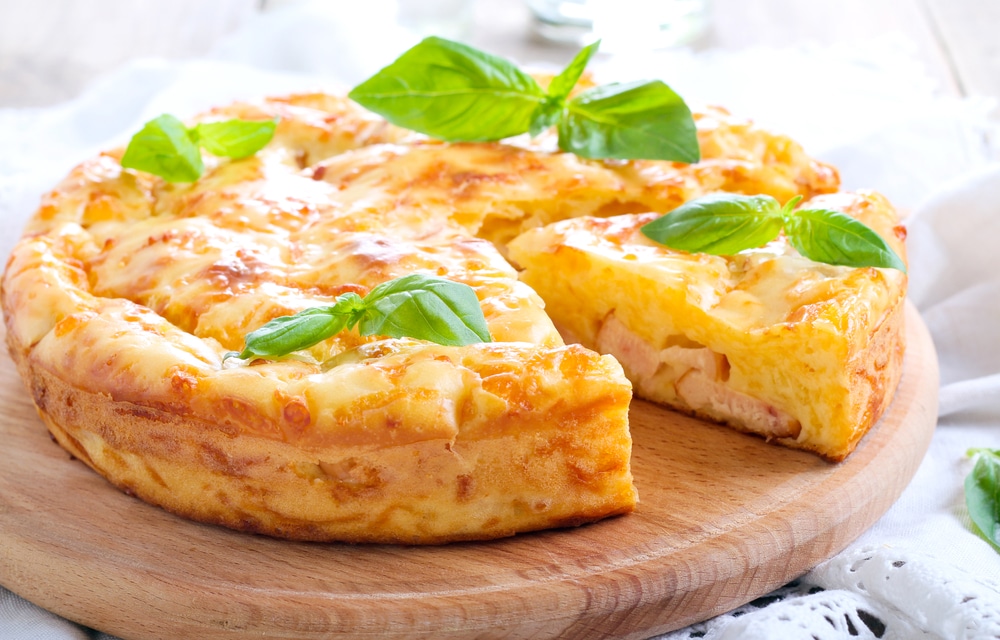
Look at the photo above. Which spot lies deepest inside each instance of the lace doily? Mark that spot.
(866, 593)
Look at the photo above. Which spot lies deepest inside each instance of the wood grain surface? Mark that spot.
(723, 519)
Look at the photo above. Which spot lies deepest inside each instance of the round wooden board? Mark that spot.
(723, 519)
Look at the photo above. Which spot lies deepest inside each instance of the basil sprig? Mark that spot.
(724, 224)
(457, 93)
(167, 148)
(982, 493)
(413, 306)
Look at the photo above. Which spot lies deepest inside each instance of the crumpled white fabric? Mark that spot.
(921, 571)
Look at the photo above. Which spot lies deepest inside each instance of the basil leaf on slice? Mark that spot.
(631, 121)
(720, 224)
(453, 92)
(833, 237)
(286, 334)
(982, 494)
(164, 147)
(724, 224)
(426, 308)
(234, 138)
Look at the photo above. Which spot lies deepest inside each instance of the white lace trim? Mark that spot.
(867, 593)
(936, 597)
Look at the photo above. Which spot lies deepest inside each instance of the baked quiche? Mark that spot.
(128, 292)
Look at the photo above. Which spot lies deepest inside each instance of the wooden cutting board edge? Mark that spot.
(634, 597)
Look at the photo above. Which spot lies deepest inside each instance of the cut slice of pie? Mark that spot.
(803, 353)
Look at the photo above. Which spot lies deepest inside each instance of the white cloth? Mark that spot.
(920, 572)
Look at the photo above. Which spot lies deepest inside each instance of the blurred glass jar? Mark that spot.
(622, 25)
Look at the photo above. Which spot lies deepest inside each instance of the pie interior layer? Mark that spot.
(766, 341)
(126, 291)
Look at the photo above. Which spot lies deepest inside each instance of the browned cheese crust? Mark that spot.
(126, 292)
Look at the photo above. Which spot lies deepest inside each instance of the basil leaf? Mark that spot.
(234, 138)
(460, 94)
(833, 237)
(164, 147)
(286, 334)
(426, 308)
(724, 224)
(562, 85)
(636, 120)
(453, 92)
(414, 306)
(547, 113)
(720, 224)
(982, 494)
